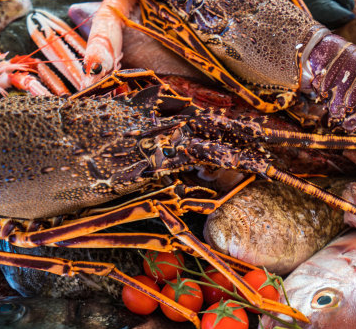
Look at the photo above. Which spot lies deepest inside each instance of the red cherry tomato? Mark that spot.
(162, 271)
(194, 302)
(256, 279)
(136, 301)
(225, 321)
(213, 295)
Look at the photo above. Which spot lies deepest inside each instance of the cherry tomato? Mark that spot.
(136, 301)
(193, 300)
(162, 271)
(256, 279)
(213, 295)
(225, 321)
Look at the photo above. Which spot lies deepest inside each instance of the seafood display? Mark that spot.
(100, 149)
(265, 225)
(141, 147)
(323, 287)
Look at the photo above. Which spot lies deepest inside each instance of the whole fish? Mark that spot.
(273, 225)
(324, 287)
(13, 9)
(350, 195)
(60, 313)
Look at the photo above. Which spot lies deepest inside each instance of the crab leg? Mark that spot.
(54, 48)
(282, 101)
(70, 268)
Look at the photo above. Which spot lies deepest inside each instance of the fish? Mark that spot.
(13, 9)
(350, 195)
(274, 225)
(61, 313)
(324, 287)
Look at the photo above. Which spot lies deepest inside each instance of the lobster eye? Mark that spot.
(325, 298)
(169, 152)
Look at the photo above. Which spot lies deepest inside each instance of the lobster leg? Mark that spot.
(151, 241)
(215, 71)
(149, 208)
(129, 81)
(177, 227)
(70, 268)
(137, 209)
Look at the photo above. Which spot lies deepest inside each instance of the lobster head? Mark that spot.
(166, 149)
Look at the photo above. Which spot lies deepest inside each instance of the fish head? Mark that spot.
(323, 289)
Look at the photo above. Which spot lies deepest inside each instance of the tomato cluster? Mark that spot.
(222, 312)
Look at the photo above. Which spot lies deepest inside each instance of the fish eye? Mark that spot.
(169, 152)
(11, 312)
(324, 299)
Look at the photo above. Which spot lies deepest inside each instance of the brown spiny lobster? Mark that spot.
(62, 154)
(274, 46)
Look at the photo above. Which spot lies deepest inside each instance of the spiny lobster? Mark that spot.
(273, 46)
(62, 154)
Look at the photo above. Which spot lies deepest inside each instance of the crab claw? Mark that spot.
(49, 38)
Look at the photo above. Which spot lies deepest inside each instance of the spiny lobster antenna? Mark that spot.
(305, 140)
(309, 188)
